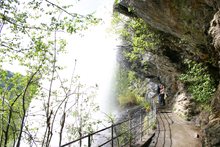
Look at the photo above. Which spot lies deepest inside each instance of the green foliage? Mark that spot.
(130, 99)
(29, 36)
(81, 114)
(12, 95)
(136, 33)
(146, 124)
(127, 100)
(154, 127)
(139, 99)
(140, 37)
(130, 9)
(126, 136)
(185, 117)
(117, 1)
(147, 106)
(128, 88)
(117, 23)
(8, 75)
(122, 81)
(110, 118)
(202, 85)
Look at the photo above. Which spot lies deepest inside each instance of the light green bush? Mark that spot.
(202, 85)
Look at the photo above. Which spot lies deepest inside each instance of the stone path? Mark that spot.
(173, 131)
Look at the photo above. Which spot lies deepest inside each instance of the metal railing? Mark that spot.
(151, 119)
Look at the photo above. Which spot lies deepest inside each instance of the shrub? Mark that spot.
(202, 85)
(154, 127)
(129, 99)
(139, 99)
(147, 106)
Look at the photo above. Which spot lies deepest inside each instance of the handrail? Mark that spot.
(153, 116)
(90, 134)
(140, 132)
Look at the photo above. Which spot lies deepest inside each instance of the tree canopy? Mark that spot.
(31, 35)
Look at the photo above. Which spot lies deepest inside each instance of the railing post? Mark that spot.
(155, 111)
(148, 122)
(130, 129)
(141, 126)
(89, 143)
(112, 135)
(151, 117)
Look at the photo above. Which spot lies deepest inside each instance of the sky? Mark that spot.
(88, 6)
(94, 52)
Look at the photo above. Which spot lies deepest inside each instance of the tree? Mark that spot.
(31, 34)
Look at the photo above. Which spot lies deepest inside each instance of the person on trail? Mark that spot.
(158, 92)
(162, 91)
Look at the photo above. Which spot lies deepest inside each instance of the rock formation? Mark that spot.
(197, 22)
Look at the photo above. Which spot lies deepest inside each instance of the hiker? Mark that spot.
(158, 92)
(162, 91)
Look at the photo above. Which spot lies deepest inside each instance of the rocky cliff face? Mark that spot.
(197, 22)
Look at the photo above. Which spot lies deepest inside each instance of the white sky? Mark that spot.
(88, 6)
(95, 54)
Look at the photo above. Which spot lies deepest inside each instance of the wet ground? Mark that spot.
(173, 131)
